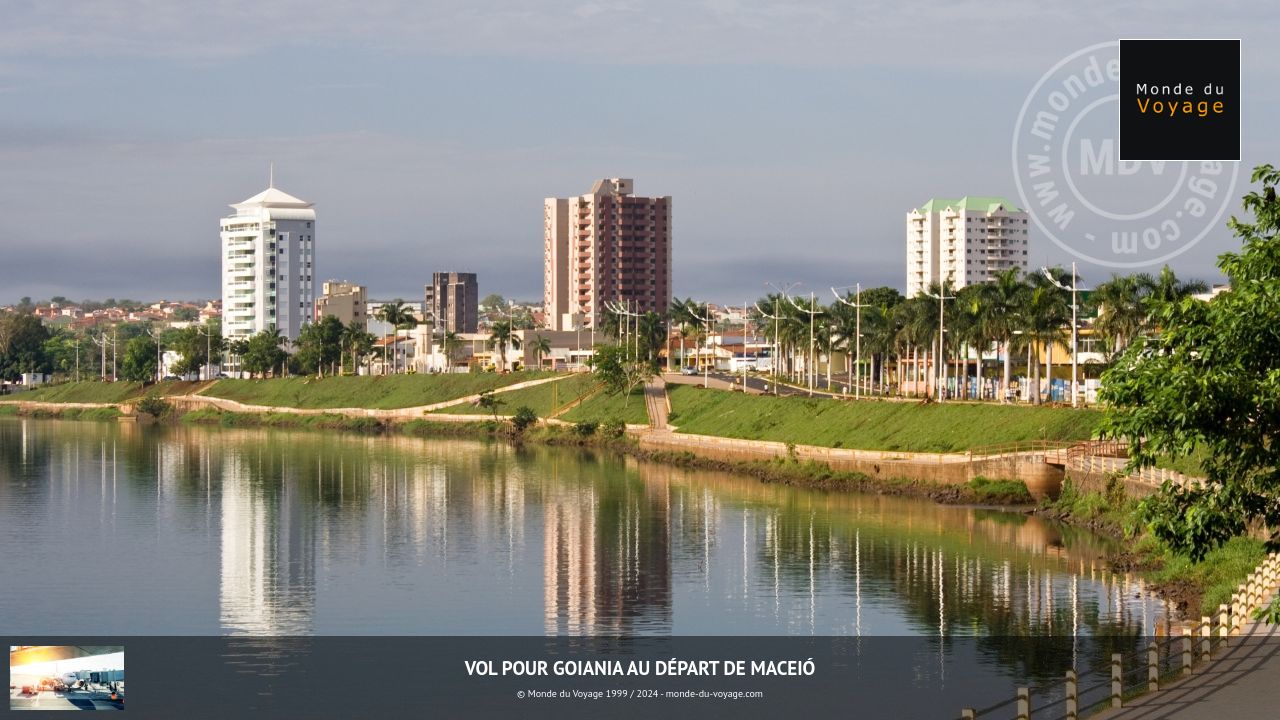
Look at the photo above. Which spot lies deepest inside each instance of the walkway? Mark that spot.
(1242, 682)
(655, 401)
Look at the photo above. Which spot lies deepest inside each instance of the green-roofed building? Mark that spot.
(963, 241)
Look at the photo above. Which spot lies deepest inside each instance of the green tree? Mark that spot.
(523, 418)
(541, 347)
(139, 360)
(358, 342)
(618, 372)
(262, 353)
(320, 345)
(1209, 381)
(486, 400)
(22, 346)
(501, 336)
(398, 316)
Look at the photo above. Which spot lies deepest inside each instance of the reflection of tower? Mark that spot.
(569, 566)
(607, 553)
(268, 553)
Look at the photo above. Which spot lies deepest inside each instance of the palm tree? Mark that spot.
(1167, 288)
(450, 346)
(357, 341)
(395, 314)
(541, 346)
(1002, 304)
(500, 337)
(1122, 315)
(1046, 308)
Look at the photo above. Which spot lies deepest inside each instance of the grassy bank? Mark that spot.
(1197, 588)
(93, 391)
(870, 424)
(545, 399)
(602, 406)
(378, 392)
(71, 413)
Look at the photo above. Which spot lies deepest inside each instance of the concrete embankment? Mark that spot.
(1041, 478)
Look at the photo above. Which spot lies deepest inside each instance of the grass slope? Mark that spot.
(380, 392)
(544, 398)
(869, 424)
(602, 406)
(91, 391)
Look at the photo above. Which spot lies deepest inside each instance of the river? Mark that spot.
(157, 530)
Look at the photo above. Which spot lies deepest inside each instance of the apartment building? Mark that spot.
(451, 302)
(268, 257)
(964, 241)
(344, 300)
(606, 246)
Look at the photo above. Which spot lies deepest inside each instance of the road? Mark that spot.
(69, 700)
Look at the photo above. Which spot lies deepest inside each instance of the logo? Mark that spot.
(1077, 190)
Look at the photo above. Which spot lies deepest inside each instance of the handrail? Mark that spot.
(1174, 656)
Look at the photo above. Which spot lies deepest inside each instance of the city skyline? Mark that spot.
(790, 161)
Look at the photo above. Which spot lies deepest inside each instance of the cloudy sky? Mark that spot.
(793, 136)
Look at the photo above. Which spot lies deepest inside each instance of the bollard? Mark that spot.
(1224, 622)
(1186, 651)
(1236, 613)
(1073, 696)
(1153, 667)
(1024, 703)
(968, 714)
(1205, 635)
(1116, 680)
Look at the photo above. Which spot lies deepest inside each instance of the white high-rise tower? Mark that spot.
(268, 254)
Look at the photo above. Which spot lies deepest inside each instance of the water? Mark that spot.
(121, 529)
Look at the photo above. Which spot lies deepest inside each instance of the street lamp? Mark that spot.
(706, 369)
(1075, 327)
(941, 373)
(813, 312)
(857, 305)
(777, 345)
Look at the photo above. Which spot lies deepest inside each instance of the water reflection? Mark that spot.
(252, 532)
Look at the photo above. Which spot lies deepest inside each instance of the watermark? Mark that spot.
(1071, 181)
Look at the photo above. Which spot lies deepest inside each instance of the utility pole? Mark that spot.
(857, 305)
(706, 369)
(941, 358)
(813, 312)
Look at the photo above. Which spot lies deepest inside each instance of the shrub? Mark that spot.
(523, 418)
(586, 428)
(153, 405)
(614, 428)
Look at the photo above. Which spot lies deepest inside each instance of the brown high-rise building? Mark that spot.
(451, 302)
(605, 246)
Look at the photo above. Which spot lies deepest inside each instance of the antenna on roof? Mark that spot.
(271, 176)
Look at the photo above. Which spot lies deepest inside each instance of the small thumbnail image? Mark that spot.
(66, 677)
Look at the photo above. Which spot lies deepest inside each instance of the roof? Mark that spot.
(987, 204)
(273, 197)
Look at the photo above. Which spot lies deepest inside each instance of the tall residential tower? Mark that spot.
(605, 246)
(963, 241)
(451, 302)
(268, 250)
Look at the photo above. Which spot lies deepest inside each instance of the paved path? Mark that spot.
(1243, 682)
(655, 401)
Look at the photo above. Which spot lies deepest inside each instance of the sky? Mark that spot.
(792, 136)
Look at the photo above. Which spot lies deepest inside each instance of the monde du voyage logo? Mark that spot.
(1126, 153)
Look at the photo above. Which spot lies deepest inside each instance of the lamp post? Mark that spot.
(941, 373)
(777, 316)
(706, 369)
(857, 305)
(1075, 328)
(159, 354)
(813, 312)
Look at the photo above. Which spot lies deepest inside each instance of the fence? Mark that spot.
(1145, 670)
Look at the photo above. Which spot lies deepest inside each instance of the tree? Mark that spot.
(541, 347)
(450, 346)
(320, 345)
(619, 373)
(487, 401)
(22, 346)
(357, 341)
(194, 345)
(523, 418)
(493, 301)
(501, 336)
(1121, 308)
(1209, 381)
(399, 317)
(1003, 303)
(139, 361)
(263, 353)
